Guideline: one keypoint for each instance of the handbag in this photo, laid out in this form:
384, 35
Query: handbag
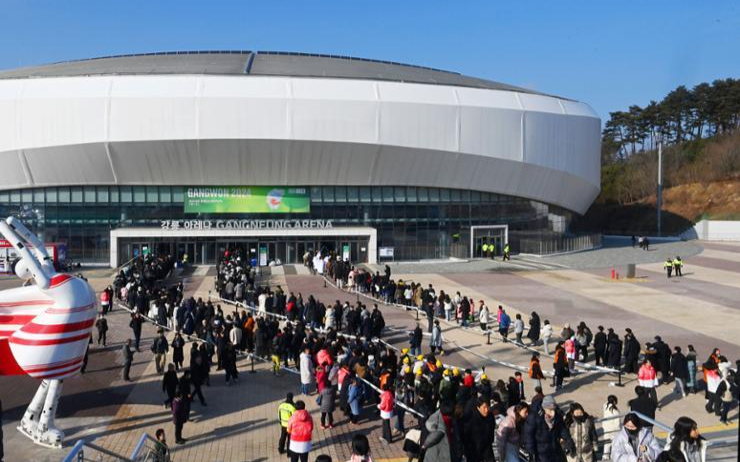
524, 455
412, 441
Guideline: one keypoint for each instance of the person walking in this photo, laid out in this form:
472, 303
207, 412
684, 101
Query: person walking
507, 252
679, 371
178, 356
135, 324
179, 416
480, 428
534, 329
668, 266
300, 429
560, 365
509, 433
415, 341
387, 403
360, 449
483, 314
327, 403
691, 366
435, 343
503, 325
307, 371
634, 442
726, 390
518, 328
535, 370
169, 384
161, 450
545, 433
686, 442
101, 325
678, 266
583, 431
160, 347
285, 412
128, 358
611, 423
546, 336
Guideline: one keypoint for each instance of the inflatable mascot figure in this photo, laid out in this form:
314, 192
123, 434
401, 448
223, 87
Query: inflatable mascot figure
44, 329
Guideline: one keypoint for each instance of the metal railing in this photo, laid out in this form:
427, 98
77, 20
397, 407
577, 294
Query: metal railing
550, 245
86, 450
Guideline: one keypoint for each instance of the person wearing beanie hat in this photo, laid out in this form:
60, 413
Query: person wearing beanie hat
545, 435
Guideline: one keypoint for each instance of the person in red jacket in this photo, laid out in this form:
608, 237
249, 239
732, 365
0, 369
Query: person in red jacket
648, 379
300, 429
386, 412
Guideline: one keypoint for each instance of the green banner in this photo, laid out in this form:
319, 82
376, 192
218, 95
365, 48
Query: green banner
247, 199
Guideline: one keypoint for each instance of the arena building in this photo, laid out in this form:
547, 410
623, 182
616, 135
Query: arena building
190, 153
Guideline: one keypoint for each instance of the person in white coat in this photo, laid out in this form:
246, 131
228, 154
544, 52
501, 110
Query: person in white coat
546, 336
483, 317
329, 318
436, 341
634, 443
611, 426
307, 371
686, 440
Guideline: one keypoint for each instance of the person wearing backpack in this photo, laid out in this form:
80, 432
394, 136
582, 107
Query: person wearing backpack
726, 392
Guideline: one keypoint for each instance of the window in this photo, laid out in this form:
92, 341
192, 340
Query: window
423, 195
340, 194
152, 195
38, 196
353, 194
433, 195
139, 194
377, 194
27, 196
444, 195
126, 195
365, 194
89, 195
103, 194
400, 194
4, 196
388, 194
178, 195
316, 194
475, 196
64, 195
328, 193
411, 194
114, 194
165, 194
76, 195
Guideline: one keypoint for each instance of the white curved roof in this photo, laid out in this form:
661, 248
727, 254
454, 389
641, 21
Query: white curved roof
265, 130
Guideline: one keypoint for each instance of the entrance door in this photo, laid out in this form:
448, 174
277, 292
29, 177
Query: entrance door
492, 237
186, 251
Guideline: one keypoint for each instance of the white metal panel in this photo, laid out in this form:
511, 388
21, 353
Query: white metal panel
487, 98
491, 132
13, 175
10, 93
540, 103
334, 120
421, 126
81, 164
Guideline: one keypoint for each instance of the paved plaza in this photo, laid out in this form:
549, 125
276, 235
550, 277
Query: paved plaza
239, 423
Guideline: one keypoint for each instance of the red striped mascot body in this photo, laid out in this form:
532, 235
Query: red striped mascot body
45, 327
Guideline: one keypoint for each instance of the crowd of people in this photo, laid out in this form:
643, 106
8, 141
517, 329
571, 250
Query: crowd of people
442, 413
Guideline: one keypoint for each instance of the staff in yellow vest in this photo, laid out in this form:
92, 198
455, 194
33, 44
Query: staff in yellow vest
507, 250
677, 266
668, 265
485, 249
285, 411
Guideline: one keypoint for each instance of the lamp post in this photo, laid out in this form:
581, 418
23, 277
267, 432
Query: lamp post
660, 181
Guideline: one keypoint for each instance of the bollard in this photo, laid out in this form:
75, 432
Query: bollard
324, 283
252, 371
613, 273
488, 334
417, 314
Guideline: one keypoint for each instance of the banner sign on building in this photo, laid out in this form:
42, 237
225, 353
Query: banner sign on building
247, 199
187, 225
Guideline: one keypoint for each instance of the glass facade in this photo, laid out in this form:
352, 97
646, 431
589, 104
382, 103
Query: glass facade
418, 222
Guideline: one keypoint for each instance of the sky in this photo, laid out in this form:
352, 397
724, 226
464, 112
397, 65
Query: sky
608, 54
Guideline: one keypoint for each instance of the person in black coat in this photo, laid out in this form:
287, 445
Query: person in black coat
679, 370
135, 324
663, 353
534, 328
631, 352
600, 346
177, 351
614, 352
544, 431
169, 384
644, 405
478, 437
